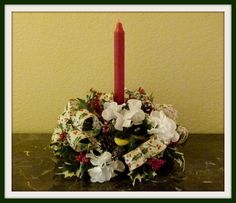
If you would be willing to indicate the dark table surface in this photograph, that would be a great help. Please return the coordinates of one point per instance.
(34, 164)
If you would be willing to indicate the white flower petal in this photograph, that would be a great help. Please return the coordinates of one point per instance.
(120, 166)
(105, 170)
(134, 104)
(127, 123)
(94, 160)
(163, 126)
(135, 113)
(155, 114)
(110, 105)
(119, 122)
(176, 137)
(152, 131)
(113, 105)
(129, 114)
(138, 117)
(106, 105)
(124, 118)
(99, 160)
(96, 174)
(105, 157)
(108, 114)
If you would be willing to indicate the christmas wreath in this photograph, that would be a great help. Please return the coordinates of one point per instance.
(97, 138)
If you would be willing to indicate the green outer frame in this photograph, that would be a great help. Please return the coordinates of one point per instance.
(5, 2)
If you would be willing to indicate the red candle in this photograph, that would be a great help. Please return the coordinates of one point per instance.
(119, 63)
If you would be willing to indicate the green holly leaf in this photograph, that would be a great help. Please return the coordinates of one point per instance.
(177, 156)
(78, 173)
(67, 174)
(82, 104)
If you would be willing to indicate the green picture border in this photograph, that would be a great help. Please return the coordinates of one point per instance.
(5, 2)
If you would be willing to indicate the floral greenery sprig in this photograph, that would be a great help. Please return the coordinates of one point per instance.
(99, 139)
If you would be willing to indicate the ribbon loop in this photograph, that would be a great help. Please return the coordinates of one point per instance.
(80, 127)
(143, 152)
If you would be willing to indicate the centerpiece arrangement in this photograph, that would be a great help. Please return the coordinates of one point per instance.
(125, 132)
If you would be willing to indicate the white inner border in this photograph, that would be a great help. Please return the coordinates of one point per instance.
(118, 8)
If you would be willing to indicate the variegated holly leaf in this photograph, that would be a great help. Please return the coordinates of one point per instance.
(67, 174)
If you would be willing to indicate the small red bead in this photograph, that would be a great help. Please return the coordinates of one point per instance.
(141, 90)
(82, 158)
(105, 129)
(155, 163)
(63, 136)
(173, 144)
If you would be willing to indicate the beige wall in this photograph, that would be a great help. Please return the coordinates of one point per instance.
(58, 56)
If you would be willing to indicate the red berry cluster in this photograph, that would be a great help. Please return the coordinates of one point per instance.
(63, 136)
(105, 129)
(82, 158)
(173, 144)
(141, 90)
(94, 103)
(155, 163)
